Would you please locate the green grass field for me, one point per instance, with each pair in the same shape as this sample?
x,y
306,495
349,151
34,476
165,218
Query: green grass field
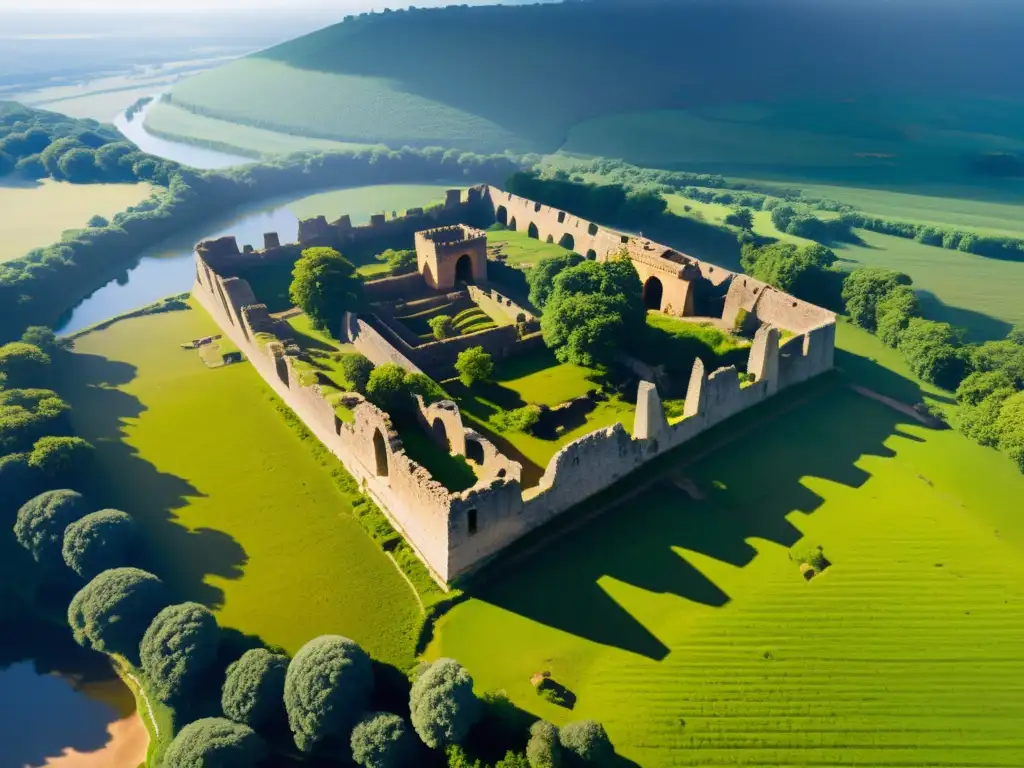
x,y
682,624
521,249
235,512
36,214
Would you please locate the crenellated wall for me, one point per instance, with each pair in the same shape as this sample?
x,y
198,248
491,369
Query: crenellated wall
x,y
454,533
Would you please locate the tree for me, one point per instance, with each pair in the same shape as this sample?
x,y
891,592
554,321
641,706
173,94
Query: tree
x,y
980,420
442,327
587,740
28,414
386,388
78,165
541,277
933,352
58,457
357,369
112,612
178,649
97,222
742,218
327,686
1016,335
1011,429
24,365
864,288
893,314
522,419
214,742
253,692
803,272
399,262
98,542
51,156
1004,356
382,740
44,338
544,750
41,523
473,365
325,285
442,704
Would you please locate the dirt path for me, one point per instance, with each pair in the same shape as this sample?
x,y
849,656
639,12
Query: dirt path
x,y
896,405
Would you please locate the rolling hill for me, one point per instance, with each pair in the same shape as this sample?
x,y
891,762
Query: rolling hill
x,y
521,78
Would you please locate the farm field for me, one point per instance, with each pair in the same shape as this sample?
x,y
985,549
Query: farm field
x,y
362,202
696,641
234,509
36,214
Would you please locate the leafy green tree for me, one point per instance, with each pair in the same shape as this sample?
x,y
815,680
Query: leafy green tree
x,y
386,388
17,481
178,649
544,750
980,384
399,262
864,288
382,740
517,420
24,365
1011,429
214,742
253,692
442,704
893,314
78,165
357,369
44,338
587,740
97,222
442,327
41,523
327,686
933,352
980,420
541,277
325,285
29,414
742,218
473,365
51,156
98,542
112,612
58,457
1016,335
1004,356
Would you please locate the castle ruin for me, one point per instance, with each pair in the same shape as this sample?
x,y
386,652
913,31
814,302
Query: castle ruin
x,y
455,532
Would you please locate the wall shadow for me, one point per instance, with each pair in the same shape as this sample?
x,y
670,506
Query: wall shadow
x,y
748,486
124,480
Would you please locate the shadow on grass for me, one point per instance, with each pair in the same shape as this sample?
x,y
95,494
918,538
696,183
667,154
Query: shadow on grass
x,y
749,478
124,480
979,326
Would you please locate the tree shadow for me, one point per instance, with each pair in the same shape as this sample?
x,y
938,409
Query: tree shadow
x,y
748,489
979,326
183,557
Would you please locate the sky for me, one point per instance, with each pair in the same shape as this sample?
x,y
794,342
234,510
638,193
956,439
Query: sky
x,y
339,6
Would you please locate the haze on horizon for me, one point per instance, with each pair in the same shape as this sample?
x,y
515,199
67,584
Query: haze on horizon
x,y
340,7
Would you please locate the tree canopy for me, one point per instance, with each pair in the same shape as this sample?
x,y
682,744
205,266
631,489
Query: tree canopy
x,y
112,612
41,523
806,272
541,277
864,288
544,750
28,414
357,369
588,741
382,740
473,365
325,285
442,704
214,742
933,351
178,648
98,542
392,389
57,457
253,692
327,686
24,365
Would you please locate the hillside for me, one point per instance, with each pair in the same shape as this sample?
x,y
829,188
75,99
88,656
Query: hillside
x,y
521,77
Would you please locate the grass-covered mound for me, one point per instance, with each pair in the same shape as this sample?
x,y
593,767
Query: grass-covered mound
x,y
410,77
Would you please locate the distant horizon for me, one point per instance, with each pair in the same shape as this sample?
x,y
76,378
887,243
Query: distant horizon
x,y
223,7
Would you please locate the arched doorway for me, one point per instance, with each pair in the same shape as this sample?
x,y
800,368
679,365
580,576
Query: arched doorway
x,y
533,232
568,242
380,453
475,451
464,269
501,216
512,224
550,240
592,255
441,435
653,290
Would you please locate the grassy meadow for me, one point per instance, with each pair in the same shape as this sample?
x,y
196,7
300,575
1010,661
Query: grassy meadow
x,y
696,640
520,249
35,214
235,512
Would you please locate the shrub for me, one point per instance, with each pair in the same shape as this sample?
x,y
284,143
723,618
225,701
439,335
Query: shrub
x,y
112,612
442,704
60,456
98,542
386,388
544,750
588,741
442,327
517,420
473,365
253,692
214,742
399,262
327,686
741,217
24,365
325,285
357,369
41,523
178,649
382,740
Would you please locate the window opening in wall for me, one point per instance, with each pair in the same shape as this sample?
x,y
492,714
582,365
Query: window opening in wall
x,y
471,520
380,452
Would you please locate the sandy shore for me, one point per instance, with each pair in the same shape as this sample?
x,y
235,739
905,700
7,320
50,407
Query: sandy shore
x,y
125,749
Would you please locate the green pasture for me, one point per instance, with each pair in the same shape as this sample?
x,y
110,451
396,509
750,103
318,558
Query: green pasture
x,y
678,619
520,249
234,509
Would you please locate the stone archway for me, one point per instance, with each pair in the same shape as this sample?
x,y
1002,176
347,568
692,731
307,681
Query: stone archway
x,y
380,453
501,215
592,255
512,223
568,242
550,240
533,232
475,451
653,292
441,435
464,269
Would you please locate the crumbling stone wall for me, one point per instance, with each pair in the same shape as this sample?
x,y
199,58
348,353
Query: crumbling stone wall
x,y
443,252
